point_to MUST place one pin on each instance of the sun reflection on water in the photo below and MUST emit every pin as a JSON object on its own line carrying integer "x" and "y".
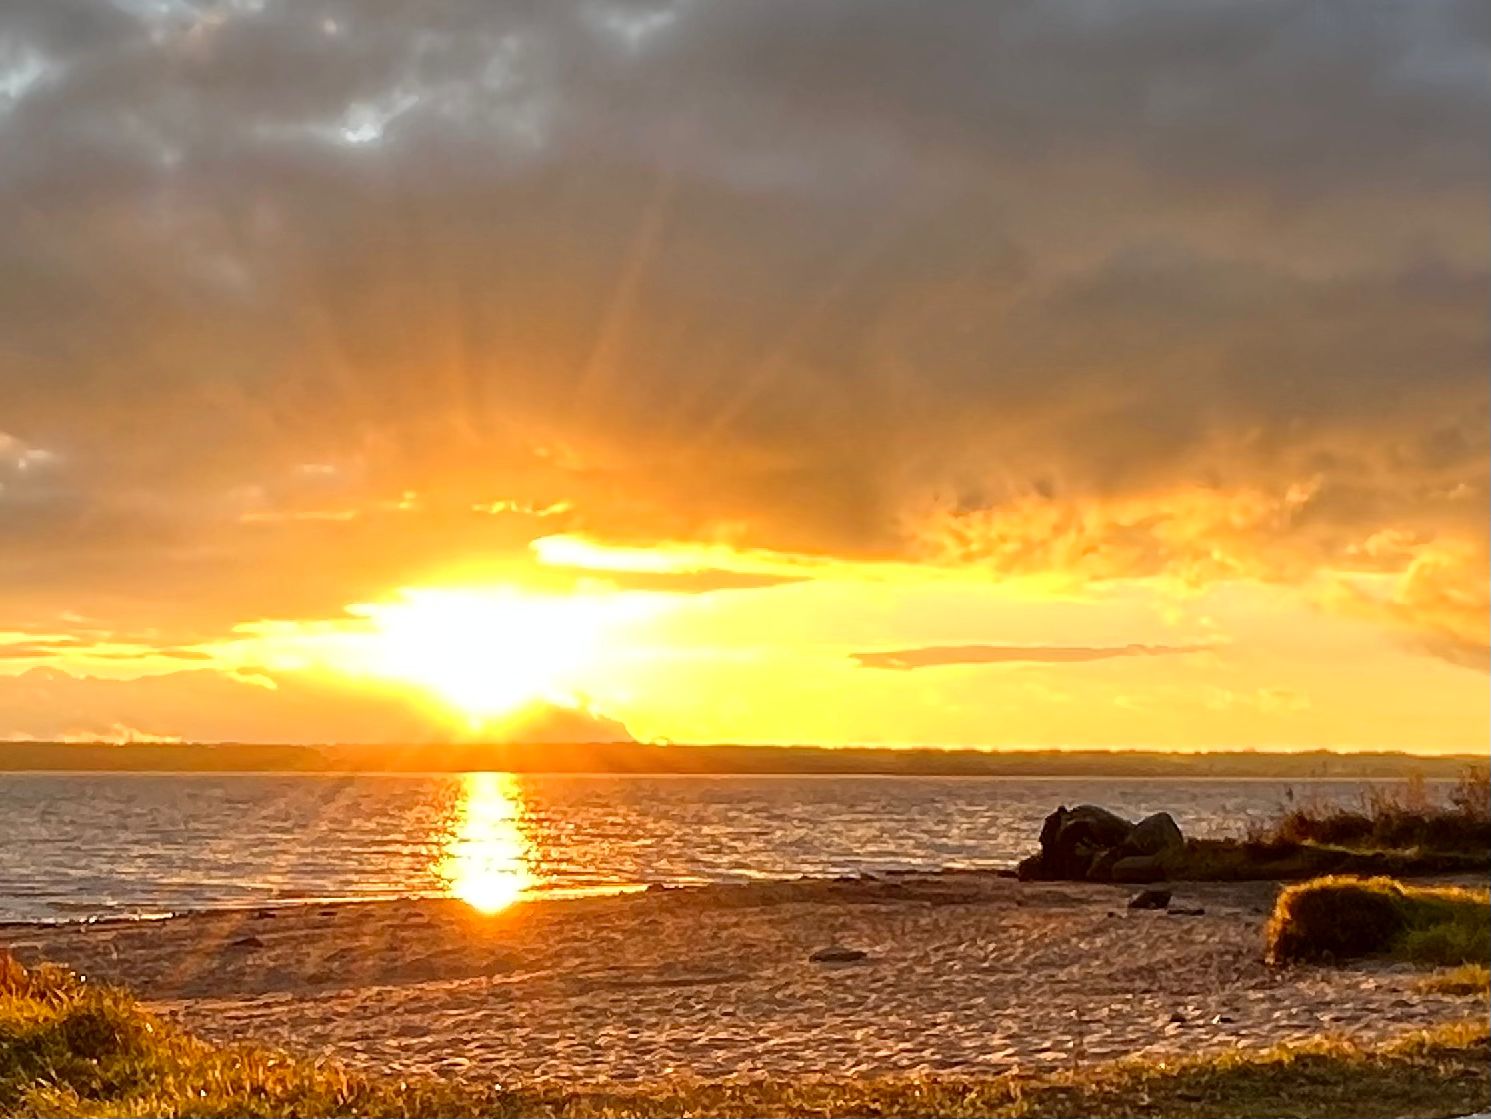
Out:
{"x": 485, "y": 860}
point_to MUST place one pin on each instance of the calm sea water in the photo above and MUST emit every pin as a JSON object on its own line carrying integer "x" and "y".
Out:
{"x": 80, "y": 845}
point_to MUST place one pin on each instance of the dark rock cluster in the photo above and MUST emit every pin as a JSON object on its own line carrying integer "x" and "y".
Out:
{"x": 1088, "y": 843}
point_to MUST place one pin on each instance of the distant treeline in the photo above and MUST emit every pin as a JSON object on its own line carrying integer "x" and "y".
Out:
{"x": 638, "y": 758}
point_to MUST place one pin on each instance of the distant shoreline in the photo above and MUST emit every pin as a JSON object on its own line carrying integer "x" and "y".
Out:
{"x": 726, "y": 760}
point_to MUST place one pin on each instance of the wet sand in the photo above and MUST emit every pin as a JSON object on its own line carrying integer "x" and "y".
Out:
{"x": 967, "y": 972}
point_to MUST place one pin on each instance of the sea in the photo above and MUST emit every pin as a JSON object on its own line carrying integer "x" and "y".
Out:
{"x": 86, "y": 846}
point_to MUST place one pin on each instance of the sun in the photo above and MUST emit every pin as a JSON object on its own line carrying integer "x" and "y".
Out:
{"x": 490, "y": 652}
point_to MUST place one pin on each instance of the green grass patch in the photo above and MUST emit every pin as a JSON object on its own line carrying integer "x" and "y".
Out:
{"x": 1342, "y": 918}
{"x": 69, "y": 1048}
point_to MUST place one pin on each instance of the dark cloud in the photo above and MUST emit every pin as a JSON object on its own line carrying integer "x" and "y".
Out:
{"x": 545, "y": 722}
{"x": 936, "y": 656}
{"x": 1193, "y": 288}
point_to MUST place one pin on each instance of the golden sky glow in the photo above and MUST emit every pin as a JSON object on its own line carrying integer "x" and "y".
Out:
{"x": 489, "y": 652}
{"x": 555, "y": 373}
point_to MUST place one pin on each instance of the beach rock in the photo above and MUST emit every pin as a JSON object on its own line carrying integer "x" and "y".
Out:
{"x": 1154, "y": 835}
{"x": 1032, "y": 868}
{"x": 1101, "y": 869}
{"x": 1089, "y": 843}
{"x": 1150, "y": 899}
{"x": 838, "y": 954}
{"x": 1139, "y": 868}
{"x": 1072, "y": 838}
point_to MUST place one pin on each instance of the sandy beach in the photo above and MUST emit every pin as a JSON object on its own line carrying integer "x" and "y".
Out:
{"x": 964, "y": 972}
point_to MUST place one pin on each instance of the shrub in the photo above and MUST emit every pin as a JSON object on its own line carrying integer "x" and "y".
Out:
{"x": 1340, "y": 918}
{"x": 1332, "y": 918}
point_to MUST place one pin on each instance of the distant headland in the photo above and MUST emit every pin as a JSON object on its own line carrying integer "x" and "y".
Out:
{"x": 624, "y": 758}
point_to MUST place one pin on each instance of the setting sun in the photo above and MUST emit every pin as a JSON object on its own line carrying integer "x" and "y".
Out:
{"x": 490, "y": 652}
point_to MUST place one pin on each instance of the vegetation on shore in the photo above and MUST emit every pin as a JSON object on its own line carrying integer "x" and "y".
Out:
{"x": 1343, "y": 918}
{"x": 1396, "y": 831}
{"x": 1229, "y": 860}
{"x": 70, "y": 1048}
{"x": 1397, "y": 818}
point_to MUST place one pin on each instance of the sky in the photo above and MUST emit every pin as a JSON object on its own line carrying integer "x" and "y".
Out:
{"x": 1021, "y": 374}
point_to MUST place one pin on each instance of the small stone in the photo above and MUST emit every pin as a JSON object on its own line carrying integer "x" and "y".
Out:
{"x": 1177, "y": 1018}
{"x": 1150, "y": 899}
{"x": 1221, "y": 1019}
{"x": 838, "y": 954}
{"x": 247, "y": 942}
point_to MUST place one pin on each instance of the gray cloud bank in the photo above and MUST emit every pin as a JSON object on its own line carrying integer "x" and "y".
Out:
{"x": 1171, "y": 288}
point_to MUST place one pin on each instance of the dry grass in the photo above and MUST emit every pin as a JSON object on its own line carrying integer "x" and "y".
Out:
{"x": 1467, "y": 979}
{"x": 1397, "y": 818}
{"x": 69, "y": 1048}
{"x": 1341, "y": 918}
{"x": 1443, "y": 1072}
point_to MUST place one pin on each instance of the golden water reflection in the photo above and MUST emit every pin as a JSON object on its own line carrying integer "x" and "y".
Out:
{"x": 486, "y": 857}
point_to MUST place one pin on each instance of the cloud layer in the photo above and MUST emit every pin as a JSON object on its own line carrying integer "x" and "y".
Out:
{"x": 205, "y": 705}
{"x": 934, "y": 656}
{"x": 1190, "y": 292}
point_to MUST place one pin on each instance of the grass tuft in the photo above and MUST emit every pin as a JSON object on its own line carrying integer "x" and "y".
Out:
{"x": 70, "y": 1048}
{"x": 1342, "y": 918}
